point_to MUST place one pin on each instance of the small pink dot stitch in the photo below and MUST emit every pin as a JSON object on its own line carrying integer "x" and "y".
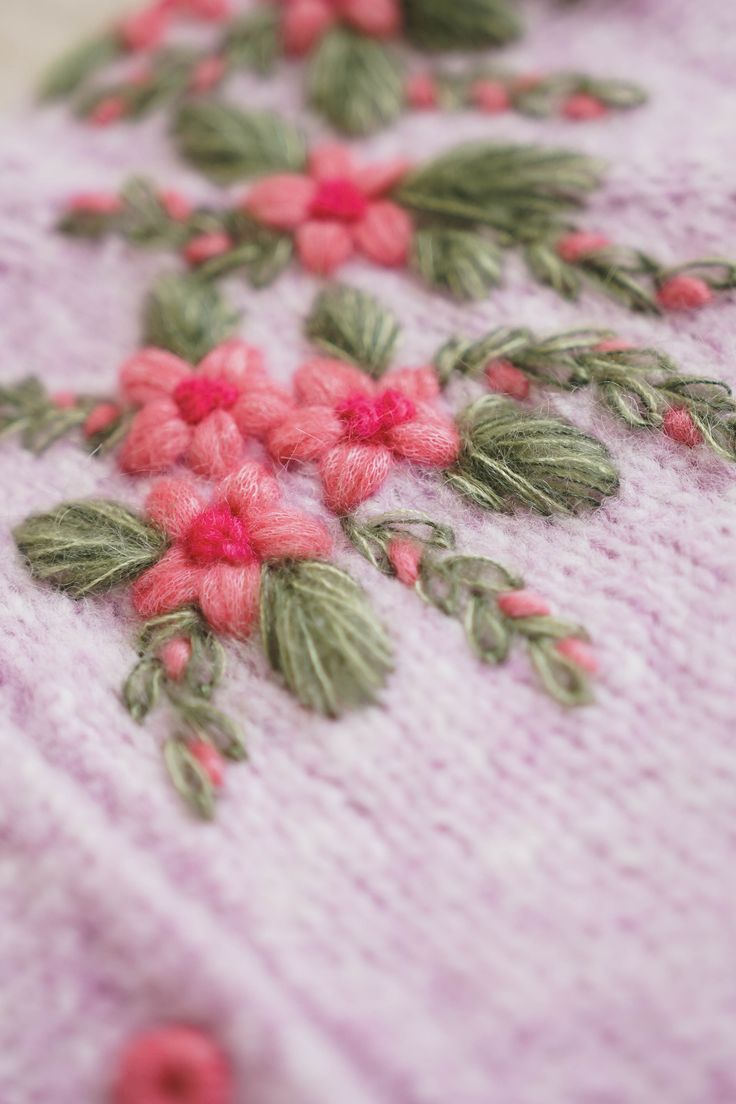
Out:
{"x": 95, "y": 203}
{"x": 198, "y": 396}
{"x": 582, "y": 107}
{"x": 175, "y": 656}
{"x": 64, "y": 400}
{"x": 579, "y": 244}
{"x": 177, "y": 207}
{"x": 207, "y": 246}
{"x": 209, "y": 760}
{"x": 405, "y": 556}
{"x": 338, "y": 198}
{"x": 522, "y": 603}
{"x": 100, "y": 418}
{"x": 421, "y": 91}
{"x": 678, "y": 425}
{"x": 579, "y": 653}
{"x": 107, "y": 111}
{"x": 208, "y": 73}
{"x": 218, "y": 536}
{"x": 490, "y": 96}
{"x": 683, "y": 293}
{"x": 507, "y": 379}
{"x": 144, "y": 30}
{"x": 173, "y": 1065}
{"x": 612, "y": 345}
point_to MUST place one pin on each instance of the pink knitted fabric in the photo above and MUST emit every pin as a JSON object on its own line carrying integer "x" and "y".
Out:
{"x": 466, "y": 895}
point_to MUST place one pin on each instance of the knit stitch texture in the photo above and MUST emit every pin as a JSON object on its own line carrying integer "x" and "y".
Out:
{"x": 467, "y": 895}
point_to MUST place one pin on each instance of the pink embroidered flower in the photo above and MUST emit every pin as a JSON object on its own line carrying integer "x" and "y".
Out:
{"x": 218, "y": 548}
{"x": 335, "y": 210}
{"x": 198, "y": 416}
{"x": 355, "y": 428}
{"x": 305, "y": 22}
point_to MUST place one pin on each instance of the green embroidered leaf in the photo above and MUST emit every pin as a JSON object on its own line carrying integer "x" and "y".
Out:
{"x": 373, "y": 537}
{"x": 510, "y": 457}
{"x": 186, "y": 316}
{"x": 321, "y": 635}
{"x": 26, "y": 408}
{"x": 204, "y": 720}
{"x": 190, "y": 779}
{"x": 142, "y": 687}
{"x": 263, "y": 254}
{"x": 459, "y": 261}
{"x": 548, "y": 268}
{"x": 86, "y": 548}
{"x": 66, "y": 75}
{"x": 460, "y": 24}
{"x": 470, "y": 358}
{"x": 352, "y": 325}
{"x": 254, "y": 41}
{"x": 356, "y": 82}
{"x": 228, "y": 144}
{"x": 563, "y": 679}
{"x": 144, "y": 220}
{"x": 520, "y": 190}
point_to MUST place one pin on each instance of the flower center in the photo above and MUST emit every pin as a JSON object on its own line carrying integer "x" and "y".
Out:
{"x": 365, "y": 417}
{"x": 197, "y": 397}
{"x": 218, "y": 536}
{"x": 338, "y": 198}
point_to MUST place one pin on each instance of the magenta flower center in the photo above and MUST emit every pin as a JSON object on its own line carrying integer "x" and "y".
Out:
{"x": 367, "y": 417}
{"x": 197, "y": 397}
{"x": 218, "y": 536}
{"x": 338, "y": 198}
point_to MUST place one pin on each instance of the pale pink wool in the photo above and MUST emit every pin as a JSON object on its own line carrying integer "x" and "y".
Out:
{"x": 467, "y": 895}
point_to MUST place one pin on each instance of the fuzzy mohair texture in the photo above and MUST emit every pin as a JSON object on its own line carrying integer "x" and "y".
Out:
{"x": 466, "y": 894}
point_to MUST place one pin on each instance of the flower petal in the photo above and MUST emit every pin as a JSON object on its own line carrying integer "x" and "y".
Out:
{"x": 305, "y": 434}
{"x": 250, "y": 490}
{"x": 323, "y": 246}
{"x": 152, "y": 374}
{"x": 326, "y": 381}
{"x": 377, "y": 180}
{"x": 330, "y": 160}
{"x": 304, "y": 22}
{"x": 377, "y": 18}
{"x": 168, "y": 585}
{"x": 352, "y": 472}
{"x": 429, "y": 439}
{"x": 260, "y": 408}
{"x": 217, "y": 446}
{"x": 384, "y": 234}
{"x": 419, "y": 384}
{"x": 281, "y": 534}
{"x": 235, "y": 362}
{"x": 281, "y": 201}
{"x": 157, "y": 438}
{"x": 173, "y": 504}
{"x": 228, "y": 597}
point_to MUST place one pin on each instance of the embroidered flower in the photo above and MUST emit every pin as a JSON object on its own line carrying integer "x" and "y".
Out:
{"x": 355, "y": 428}
{"x": 218, "y": 548}
{"x": 335, "y": 210}
{"x": 200, "y": 416}
{"x": 305, "y": 22}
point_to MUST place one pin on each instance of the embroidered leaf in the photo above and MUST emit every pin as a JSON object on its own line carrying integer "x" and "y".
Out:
{"x": 228, "y": 144}
{"x": 187, "y": 317}
{"x": 88, "y": 547}
{"x": 144, "y": 220}
{"x": 561, "y": 677}
{"x": 203, "y": 719}
{"x": 352, "y": 325}
{"x": 520, "y": 190}
{"x": 263, "y": 254}
{"x": 253, "y": 42}
{"x": 321, "y": 635}
{"x": 459, "y": 261}
{"x": 511, "y": 457}
{"x": 189, "y": 777}
{"x": 372, "y": 538}
{"x": 26, "y": 408}
{"x": 169, "y": 77}
{"x": 468, "y": 25}
{"x": 470, "y": 358}
{"x": 356, "y": 82}
{"x": 77, "y": 65}
{"x": 142, "y": 688}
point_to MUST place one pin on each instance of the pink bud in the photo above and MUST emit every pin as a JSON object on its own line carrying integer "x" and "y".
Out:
{"x": 100, "y": 418}
{"x": 209, "y": 760}
{"x": 579, "y": 653}
{"x": 95, "y": 203}
{"x": 579, "y": 244}
{"x": 210, "y": 11}
{"x": 421, "y": 91}
{"x": 206, "y": 246}
{"x": 175, "y": 656}
{"x": 107, "y": 111}
{"x": 405, "y": 555}
{"x": 679, "y": 426}
{"x": 490, "y": 96}
{"x": 144, "y": 30}
{"x": 177, "y": 207}
{"x": 612, "y": 345}
{"x": 525, "y": 82}
{"x": 522, "y": 603}
{"x": 208, "y": 73}
{"x": 683, "y": 293}
{"x": 507, "y": 379}
{"x": 582, "y": 107}
{"x": 64, "y": 400}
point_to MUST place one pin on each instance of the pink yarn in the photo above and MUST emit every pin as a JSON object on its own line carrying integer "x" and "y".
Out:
{"x": 305, "y": 22}
{"x": 507, "y": 379}
{"x": 201, "y": 416}
{"x": 684, "y": 293}
{"x": 421, "y": 91}
{"x": 95, "y": 203}
{"x": 64, "y": 400}
{"x": 612, "y": 345}
{"x": 405, "y": 556}
{"x": 336, "y": 209}
{"x": 210, "y": 760}
{"x": 107, "y": 111}
{"x": 177, "y": 207}
{"x": 490, "y": 96}
{"x": 579, "y": 244}
{"x": 523, "y": 603}
{"x": 175, "y": 656}
{"x": 206, "y": 246}
{"x": 217, "y": 548}
{"x": 173, "y": 1065}
{"x": 579, "y": 653}
{"x": 100, "y": 418}
{"x": 355, "y": 428}
{"x": 144, "y": 30}
{"x": 679, "y": 426}
{"x": 582, "y": 107}
{"x": 208, "y": 73}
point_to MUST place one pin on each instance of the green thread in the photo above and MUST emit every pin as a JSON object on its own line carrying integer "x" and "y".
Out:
{"x": 355, "y": 82}
{"x": 372, "y": 538}
{"x": 189, "y": 778}
{"x": 87, "y": 548}
{"x": 76, "y": 66}
{"x": 462, "y": 262}
{"x": 322, "y": 637}
{"x": 228, "y": 144}
{"x": 253, "y": 41}
{"x": 187, "y": 317}
{"x": 510, "y": 457}
{"x": 353, "y": 325}
{"x": 469, "y": 25}
{"x": 26, "y": 408}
